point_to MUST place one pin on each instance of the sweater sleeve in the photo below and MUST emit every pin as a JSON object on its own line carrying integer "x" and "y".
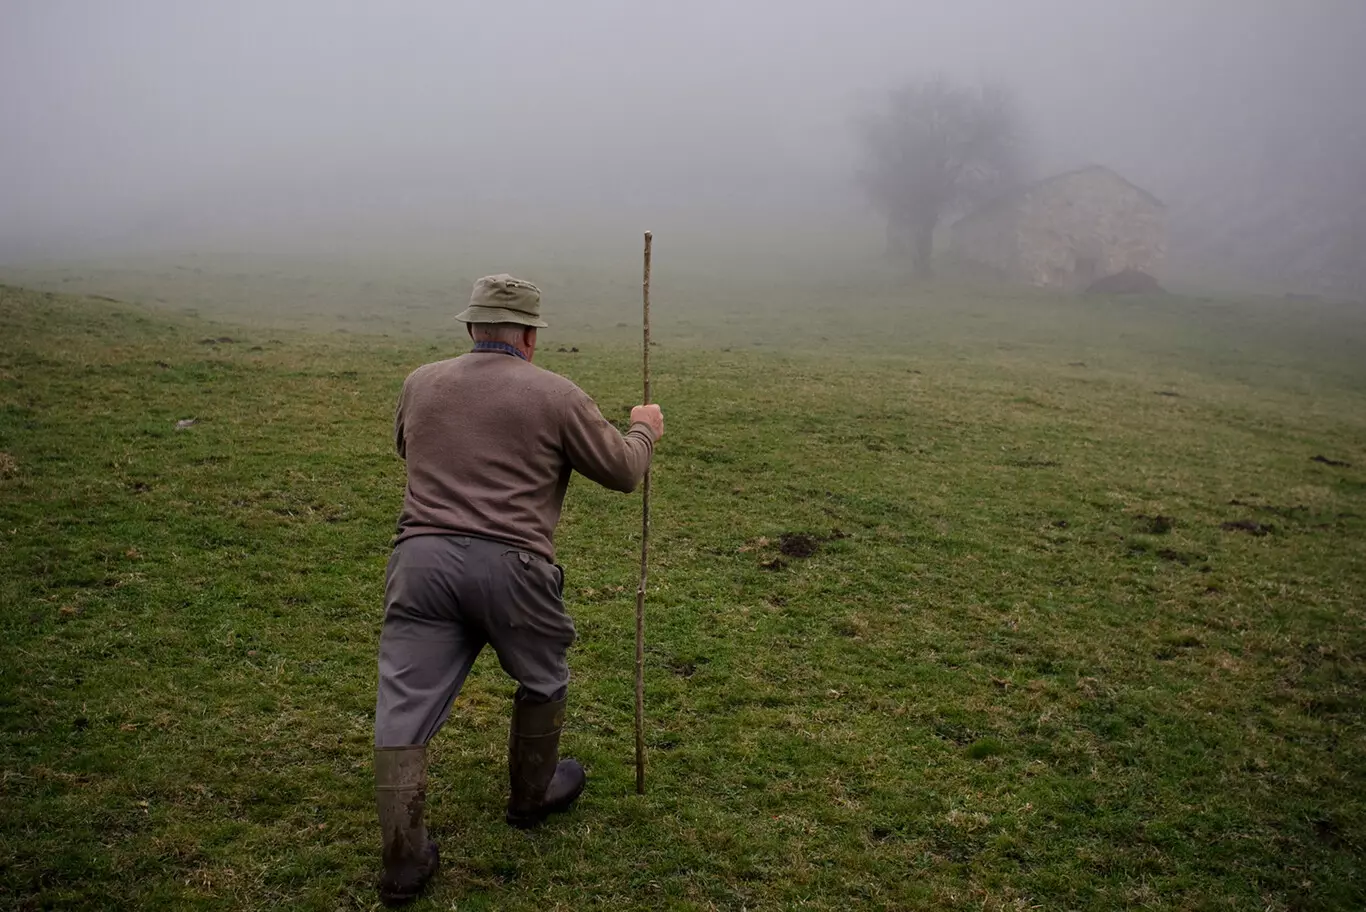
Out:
{"x": 601, "y": 453}
{"x": 398, "y": 424}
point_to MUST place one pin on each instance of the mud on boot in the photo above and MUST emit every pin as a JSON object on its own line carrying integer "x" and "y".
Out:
{"x": 410, "y": 858}
{"x": 541, "y": 783}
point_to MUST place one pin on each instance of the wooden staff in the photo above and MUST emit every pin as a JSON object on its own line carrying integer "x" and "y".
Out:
{"x": 644, "y": 550}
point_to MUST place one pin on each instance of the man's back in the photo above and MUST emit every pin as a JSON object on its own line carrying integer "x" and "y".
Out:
{"x": 490, "y": 441}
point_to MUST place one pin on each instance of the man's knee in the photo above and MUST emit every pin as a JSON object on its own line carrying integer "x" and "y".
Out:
{"x": 541, "y": 693}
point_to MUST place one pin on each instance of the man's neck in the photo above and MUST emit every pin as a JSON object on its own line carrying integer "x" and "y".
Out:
{"x": 503, "y": 347}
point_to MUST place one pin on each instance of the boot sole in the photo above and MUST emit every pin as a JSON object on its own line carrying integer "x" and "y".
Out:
{"x": 528, "y": 821}
{"x": 393, "y": 899}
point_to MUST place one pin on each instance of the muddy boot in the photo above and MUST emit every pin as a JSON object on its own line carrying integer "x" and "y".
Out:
{"x": 542, "y": 783}
{"x": 410, "y": 858}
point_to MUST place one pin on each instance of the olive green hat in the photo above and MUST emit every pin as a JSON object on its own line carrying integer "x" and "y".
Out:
{"x": 503, "y": 299}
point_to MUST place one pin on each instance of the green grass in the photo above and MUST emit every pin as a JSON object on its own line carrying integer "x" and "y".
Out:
{"x": 998, "y": 683}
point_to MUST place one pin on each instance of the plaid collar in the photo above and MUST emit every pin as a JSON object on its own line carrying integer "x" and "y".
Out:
{"x": 502, "y": 347}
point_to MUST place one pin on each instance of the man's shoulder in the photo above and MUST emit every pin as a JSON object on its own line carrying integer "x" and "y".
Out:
{"x": 433, "y": 367}
{"x": 526, "y": 374}
{"x": 553, "y": 382}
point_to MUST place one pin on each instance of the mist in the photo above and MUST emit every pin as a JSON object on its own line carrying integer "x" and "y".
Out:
{"x": 317, "y": 127}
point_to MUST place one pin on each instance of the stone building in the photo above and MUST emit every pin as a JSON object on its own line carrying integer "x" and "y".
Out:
{"x": 1065, "y": 231}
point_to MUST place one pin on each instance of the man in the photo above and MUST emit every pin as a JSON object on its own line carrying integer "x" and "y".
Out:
{"x": 490, "y": 441}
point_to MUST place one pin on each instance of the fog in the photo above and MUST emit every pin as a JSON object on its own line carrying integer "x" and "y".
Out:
{"x": 311, "y": 126}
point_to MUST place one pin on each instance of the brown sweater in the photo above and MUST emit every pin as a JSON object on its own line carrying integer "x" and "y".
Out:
{"x": 490, "y": 441}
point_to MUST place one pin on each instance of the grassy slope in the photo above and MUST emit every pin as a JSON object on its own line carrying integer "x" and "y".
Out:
{"x": 997, "y": 689}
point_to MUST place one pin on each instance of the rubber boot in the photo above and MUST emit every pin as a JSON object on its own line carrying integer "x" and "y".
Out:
{"x": 542, "y": 783}
{"x": 410, "y": 858}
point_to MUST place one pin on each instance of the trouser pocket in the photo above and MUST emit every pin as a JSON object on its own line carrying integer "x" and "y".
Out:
{"x": 533, "y": 600}
{"x": 529, "y": 628}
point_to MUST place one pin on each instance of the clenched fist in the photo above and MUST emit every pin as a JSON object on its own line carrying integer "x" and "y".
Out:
{"x": 651, "y": 416}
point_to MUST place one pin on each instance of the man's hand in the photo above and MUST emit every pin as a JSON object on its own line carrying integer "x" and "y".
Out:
{"x": 649, "y": 415}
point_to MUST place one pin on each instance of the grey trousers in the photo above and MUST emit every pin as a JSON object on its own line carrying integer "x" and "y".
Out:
{"x": 445, "y": 597}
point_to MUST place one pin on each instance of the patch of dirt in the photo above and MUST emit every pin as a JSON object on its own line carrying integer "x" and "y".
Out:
{"x": 1173, "y": 646}
{"x": 1180, "y": 557}
{"x": 854, "y": 626}
{"x": 1171, "y": 394}
{"x": 1247, "y": 525}
{"x": 1155, "y": 525}
{"x": 9, "y": 466}
{"x": 1331, "y": 462}
{"x": 798, "y": 544}
{"x": 1296, "y": 512}
{"x": 1130, "y": 281}
{"x": 1328, "y": 706}
{"x": 1030, "y": 462}
{"x": 221, "y": 340}
{"x": 1292, "y": 512}
{"x": 1328, "y": 832}
{"x": 954, "y": 732}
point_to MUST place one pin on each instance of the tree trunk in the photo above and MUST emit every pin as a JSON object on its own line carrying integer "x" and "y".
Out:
{"x": 924, "y": 250}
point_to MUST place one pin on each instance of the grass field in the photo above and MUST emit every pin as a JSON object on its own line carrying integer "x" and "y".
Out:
{"x": 1014, "y": 658}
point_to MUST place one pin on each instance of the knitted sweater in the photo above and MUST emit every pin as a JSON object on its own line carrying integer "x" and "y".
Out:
{"x": 490, "y": 441}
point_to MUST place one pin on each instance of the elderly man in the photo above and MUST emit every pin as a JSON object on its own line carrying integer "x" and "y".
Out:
{"x": 490, "y": 441}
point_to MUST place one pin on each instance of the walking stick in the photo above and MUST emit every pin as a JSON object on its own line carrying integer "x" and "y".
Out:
{"x": 644, "y": 549}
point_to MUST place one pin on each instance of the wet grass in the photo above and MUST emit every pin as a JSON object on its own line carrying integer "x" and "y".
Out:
{"x": 953, "y": 623}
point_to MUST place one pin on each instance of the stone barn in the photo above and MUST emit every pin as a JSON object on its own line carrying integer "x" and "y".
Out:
{"x": 1065, "y": 231}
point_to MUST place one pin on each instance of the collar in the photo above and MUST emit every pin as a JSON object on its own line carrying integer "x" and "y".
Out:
{"x": 502, "y": 347}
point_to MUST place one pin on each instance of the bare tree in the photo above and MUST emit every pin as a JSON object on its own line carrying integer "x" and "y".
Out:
{"x": 935, "y": 149}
